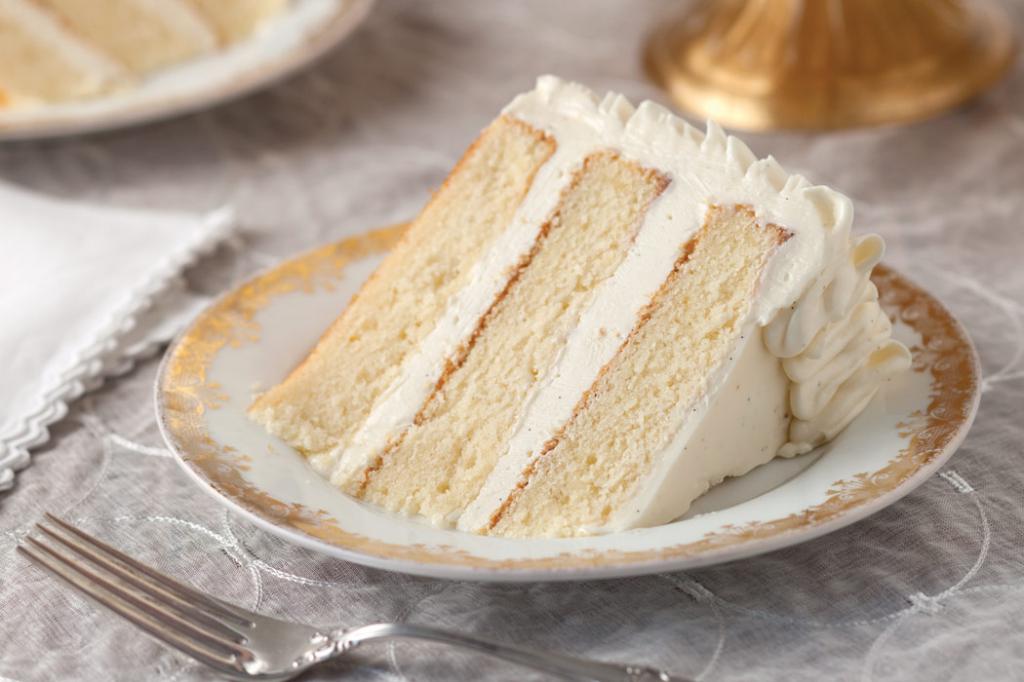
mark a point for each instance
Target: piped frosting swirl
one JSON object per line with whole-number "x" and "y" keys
{"x": 836, "y": 347}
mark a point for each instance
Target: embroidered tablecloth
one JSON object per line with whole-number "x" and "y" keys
{"x": 931, "y": 588}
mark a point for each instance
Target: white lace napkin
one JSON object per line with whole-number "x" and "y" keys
{"x": 85, "y": 291}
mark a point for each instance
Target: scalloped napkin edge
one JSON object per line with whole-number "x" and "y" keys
{"x": 151, "y": 310}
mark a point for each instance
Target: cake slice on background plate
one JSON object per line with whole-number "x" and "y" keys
{"x": 141, "y": 34}
{"x": 59, "y": 50}
{"x": 42, "y": 60}
{"x": 601, "y": 313}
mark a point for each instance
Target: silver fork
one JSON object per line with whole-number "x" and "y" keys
{"x": 243, "y": 645}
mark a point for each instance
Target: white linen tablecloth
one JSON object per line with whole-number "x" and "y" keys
{"x": 86, "y": 290}
{"x": 931, "y": 588}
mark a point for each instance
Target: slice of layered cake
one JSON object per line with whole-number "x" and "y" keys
{"x": 601, "y": 313}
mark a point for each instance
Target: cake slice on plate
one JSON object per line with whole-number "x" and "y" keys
{"x": 601, "y": 313}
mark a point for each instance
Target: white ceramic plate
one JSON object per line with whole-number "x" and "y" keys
{"x": 252, "y": 337}
{"x": 306, "y": 30}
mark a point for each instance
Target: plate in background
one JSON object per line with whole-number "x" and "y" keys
{"x": 252, "y": 337}
{"x": 290, "y": 41}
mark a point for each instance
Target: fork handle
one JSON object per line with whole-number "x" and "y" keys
{"x": 569, "y": 667}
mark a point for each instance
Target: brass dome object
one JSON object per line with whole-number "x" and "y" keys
{"x": 818, "y": 64}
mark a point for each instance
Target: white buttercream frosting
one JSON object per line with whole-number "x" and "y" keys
{"x": 836, "y": 346}
{"x": 835, "y": 357}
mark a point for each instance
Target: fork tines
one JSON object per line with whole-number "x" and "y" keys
{"x": 198, "y": 625}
